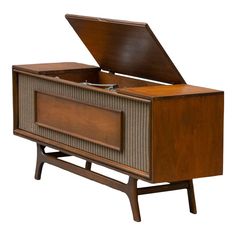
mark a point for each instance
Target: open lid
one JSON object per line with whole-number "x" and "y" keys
{"x": 125, "y": 47}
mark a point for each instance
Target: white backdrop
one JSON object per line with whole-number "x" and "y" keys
{"x": 200, "y": 38}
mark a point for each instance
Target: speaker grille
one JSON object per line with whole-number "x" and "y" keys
{"x": 136, "y": 150}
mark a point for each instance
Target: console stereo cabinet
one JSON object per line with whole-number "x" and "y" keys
{"x": 157, "y": 129}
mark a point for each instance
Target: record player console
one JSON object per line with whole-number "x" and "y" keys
{"x": 157, "y": 129}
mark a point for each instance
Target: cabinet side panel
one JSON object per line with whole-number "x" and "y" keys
{"x": 135, "y": 151}
{"x": 187, "y": 137}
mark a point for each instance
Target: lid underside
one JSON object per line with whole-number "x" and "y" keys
{"x": 125, "y": 47}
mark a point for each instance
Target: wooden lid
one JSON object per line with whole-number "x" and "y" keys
{"x": 125, "y": 47}
{"x": 149, "y": 92}
{"x": 50, "y": 68}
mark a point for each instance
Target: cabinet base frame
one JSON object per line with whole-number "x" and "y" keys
{"x": 129, "y": 188}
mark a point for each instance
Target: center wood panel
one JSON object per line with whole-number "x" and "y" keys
{"x": 91, "y": 123}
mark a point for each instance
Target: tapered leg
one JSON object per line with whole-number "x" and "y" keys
{"x": 130, "y": 188}
{"x": 132, "y": 193}
{"x": 191, "y": 198}
{"x": 88, "y": 165}
{"x": 39, "y": 162}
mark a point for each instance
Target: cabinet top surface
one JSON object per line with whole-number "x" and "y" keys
{"x": 49, "y": 67}
{"x": 125, "y": 47}
{"x": 166, "y": 91}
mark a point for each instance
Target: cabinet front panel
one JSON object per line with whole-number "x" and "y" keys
{"x": 134, "y": 123}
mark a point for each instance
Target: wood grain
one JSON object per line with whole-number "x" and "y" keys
{"x": 150, "y": 92}
{"x": 50, "y": 68}
{"x": 187, "y": 137}
{"x": 125, "y": 47}
{"x": 93, "y": 124}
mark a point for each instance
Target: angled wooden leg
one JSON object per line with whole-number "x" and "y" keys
{"x": 39, "y": 162}
{"x": 191, "y": 198}
{"x": 132, "y": 193}
{"x": 130, "y": 188}
{"x": 88, "y": 165}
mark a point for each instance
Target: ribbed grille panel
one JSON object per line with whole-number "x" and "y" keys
{"x": 136, "y": 151}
